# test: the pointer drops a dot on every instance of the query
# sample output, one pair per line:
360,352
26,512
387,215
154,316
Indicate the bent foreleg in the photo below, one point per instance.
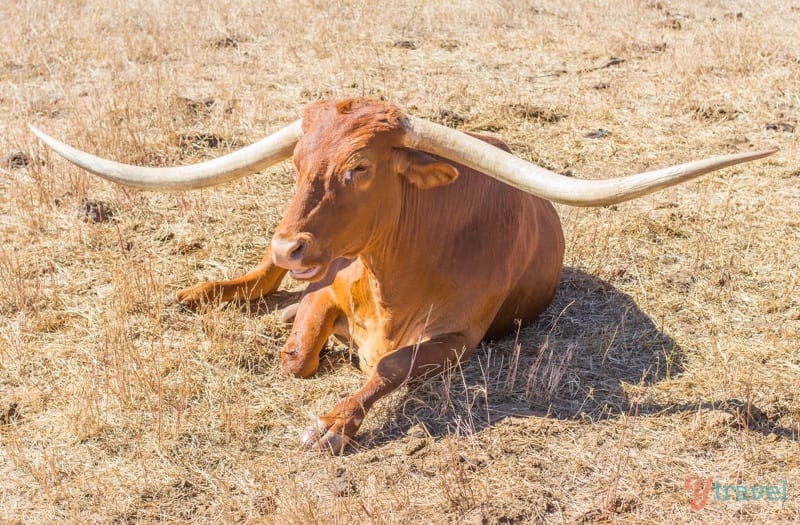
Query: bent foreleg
262,280
333,430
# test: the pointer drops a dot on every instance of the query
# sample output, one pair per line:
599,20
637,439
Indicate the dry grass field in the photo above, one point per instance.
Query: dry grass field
672,349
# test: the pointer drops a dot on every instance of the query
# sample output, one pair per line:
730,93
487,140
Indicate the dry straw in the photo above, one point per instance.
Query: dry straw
671,350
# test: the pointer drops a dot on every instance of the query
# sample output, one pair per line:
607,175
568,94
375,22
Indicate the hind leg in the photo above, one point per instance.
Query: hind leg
261,280
536,286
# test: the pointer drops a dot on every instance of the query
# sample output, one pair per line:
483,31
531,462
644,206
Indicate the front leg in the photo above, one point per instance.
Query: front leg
261,280
332,431
314,318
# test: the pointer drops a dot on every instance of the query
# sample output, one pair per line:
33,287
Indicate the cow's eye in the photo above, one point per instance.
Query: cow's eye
351,175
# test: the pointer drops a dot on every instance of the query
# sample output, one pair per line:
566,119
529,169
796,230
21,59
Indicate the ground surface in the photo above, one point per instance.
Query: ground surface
671,350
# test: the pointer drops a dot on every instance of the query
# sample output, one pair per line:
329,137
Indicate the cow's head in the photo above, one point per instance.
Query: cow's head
352,169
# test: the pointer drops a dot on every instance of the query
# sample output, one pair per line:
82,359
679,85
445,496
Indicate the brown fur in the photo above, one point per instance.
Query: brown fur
414,259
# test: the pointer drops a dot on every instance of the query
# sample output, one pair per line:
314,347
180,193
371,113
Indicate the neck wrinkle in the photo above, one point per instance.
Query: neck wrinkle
414,250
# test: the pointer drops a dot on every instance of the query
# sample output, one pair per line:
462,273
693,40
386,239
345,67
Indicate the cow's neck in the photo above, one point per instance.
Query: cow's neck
421,250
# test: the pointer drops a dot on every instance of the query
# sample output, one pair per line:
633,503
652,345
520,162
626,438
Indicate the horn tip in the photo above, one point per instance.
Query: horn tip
44,137
36,131
755,155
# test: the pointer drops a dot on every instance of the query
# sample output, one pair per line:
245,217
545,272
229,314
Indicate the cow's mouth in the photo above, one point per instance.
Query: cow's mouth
306,273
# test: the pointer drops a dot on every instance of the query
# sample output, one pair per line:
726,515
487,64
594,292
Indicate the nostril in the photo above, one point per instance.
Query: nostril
296,252
291,252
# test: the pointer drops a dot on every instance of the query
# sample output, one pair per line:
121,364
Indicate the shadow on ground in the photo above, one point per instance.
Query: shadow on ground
584,359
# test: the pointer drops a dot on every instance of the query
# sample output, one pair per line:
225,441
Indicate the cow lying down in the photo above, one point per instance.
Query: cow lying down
416,240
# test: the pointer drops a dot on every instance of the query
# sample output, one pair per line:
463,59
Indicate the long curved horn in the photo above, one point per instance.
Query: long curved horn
481,156
250,159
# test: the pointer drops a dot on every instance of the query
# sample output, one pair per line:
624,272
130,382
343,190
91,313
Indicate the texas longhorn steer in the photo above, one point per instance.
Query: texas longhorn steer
417,241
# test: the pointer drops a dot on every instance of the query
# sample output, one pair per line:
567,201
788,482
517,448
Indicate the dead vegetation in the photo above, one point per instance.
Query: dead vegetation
671,350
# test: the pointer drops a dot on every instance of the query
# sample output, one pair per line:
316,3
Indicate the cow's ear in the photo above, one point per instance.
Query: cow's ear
422,170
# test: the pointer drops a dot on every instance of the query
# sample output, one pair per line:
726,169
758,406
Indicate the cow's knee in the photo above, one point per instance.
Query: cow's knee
298,363
313,316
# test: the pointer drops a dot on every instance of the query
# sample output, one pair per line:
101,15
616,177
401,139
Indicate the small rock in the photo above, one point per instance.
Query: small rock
734,16
779,126
598,134
17,160
405,44
228,41
96,211
613,61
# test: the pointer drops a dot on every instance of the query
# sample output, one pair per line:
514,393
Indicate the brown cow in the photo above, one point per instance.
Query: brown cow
412,253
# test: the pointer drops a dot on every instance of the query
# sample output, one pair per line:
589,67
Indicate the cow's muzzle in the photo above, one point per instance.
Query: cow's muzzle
296,255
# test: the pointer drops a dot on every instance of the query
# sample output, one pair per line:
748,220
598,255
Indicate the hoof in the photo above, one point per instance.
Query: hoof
196,297
288,314
318,437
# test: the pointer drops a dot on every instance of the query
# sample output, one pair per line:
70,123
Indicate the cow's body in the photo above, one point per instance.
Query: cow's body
454,264
415,279
411,258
